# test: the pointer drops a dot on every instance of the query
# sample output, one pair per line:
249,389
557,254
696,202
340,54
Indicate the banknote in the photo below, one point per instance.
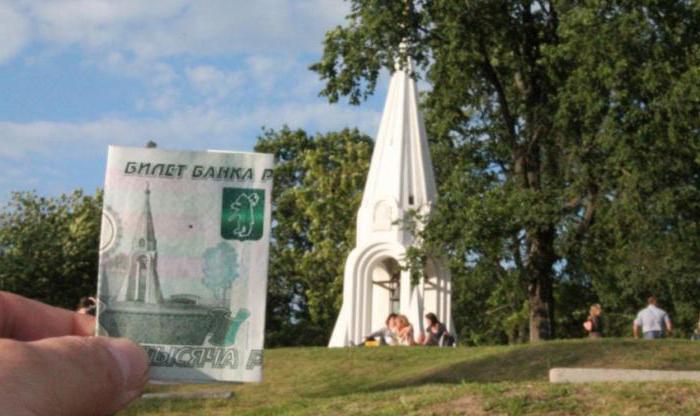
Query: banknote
183,260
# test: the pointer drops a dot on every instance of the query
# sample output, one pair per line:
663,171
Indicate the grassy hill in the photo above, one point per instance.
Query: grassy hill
474,381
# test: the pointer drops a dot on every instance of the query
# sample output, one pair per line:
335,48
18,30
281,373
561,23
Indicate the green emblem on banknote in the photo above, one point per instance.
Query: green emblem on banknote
242,214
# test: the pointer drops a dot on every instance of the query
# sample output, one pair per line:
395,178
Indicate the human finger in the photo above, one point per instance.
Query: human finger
28,320
70,375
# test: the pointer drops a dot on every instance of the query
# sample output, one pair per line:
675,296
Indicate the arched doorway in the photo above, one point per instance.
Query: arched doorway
386,290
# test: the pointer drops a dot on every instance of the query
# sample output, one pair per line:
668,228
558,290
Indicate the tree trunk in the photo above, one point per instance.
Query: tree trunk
541,310
541,258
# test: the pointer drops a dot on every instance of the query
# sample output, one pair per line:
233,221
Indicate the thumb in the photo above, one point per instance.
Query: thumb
71,375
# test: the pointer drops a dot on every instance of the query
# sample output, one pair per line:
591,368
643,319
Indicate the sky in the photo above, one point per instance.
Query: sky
79,75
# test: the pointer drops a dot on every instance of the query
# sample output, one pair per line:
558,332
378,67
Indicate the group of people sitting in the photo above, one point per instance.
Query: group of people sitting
399,331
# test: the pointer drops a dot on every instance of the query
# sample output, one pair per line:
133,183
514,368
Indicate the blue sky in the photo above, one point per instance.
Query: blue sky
78,75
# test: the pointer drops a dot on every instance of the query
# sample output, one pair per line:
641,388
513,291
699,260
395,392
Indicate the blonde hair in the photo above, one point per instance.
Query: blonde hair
402,321
594,308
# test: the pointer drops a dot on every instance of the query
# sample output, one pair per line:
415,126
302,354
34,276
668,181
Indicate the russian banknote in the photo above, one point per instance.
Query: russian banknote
183,260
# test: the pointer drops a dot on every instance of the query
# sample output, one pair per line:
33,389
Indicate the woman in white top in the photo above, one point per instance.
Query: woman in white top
405,331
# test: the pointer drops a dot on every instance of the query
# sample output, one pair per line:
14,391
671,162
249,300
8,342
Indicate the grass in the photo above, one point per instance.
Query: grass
473,381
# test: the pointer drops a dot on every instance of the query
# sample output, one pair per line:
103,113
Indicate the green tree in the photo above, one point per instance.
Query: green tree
317,192
565,136
49,246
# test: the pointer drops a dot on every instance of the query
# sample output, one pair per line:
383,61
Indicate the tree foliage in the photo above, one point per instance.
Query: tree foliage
566,139
317,192
49,246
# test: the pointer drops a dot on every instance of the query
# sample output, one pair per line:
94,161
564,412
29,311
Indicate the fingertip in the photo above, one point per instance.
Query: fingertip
83,324
96,375
132,360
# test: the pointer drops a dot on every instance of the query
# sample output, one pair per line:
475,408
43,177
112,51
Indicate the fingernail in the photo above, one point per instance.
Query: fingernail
133,362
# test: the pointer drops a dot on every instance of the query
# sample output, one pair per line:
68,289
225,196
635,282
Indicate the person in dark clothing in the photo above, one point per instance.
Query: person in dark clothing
594,324
435,331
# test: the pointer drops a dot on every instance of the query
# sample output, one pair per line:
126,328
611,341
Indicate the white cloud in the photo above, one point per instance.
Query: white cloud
209,73
321,117
14,32
30,151
152,29
98,23
143,40
43,138
189,128
213,82
266,70
155,74
162,101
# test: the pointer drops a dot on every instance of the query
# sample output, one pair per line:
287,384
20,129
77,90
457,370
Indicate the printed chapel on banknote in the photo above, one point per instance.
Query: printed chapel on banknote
183,260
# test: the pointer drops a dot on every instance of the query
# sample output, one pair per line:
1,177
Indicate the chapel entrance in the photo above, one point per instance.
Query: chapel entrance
386,291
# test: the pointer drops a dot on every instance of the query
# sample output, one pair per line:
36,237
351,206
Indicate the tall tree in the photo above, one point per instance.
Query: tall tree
550,120
317,191
49,246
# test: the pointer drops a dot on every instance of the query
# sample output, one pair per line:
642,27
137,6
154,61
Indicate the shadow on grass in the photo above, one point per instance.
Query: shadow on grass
300,379
532,363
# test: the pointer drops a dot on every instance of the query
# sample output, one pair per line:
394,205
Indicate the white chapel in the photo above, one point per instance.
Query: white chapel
400,180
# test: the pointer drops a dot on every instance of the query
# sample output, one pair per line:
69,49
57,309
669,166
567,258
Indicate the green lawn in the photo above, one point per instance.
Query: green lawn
487,380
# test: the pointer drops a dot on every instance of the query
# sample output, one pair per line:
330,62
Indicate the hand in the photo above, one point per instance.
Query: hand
50,365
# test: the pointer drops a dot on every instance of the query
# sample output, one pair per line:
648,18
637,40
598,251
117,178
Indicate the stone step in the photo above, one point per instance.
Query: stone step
189,395
594,375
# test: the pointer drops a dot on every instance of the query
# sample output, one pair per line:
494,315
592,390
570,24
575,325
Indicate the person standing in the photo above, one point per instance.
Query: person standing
594,324
653,321
696,332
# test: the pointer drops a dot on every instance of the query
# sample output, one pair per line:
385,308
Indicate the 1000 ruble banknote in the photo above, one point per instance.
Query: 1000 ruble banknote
183,260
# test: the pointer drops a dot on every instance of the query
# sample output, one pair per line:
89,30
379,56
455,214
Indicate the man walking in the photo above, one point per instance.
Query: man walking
653,321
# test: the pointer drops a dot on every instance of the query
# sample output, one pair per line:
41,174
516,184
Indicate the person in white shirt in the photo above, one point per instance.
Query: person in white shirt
387,335
653,321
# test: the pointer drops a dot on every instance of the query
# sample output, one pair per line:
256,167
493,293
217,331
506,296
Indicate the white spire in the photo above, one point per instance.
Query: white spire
401,172
400,179
141,283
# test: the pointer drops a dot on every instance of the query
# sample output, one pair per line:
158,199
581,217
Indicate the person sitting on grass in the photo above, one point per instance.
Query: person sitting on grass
386,335
404,331
434,331
653,321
